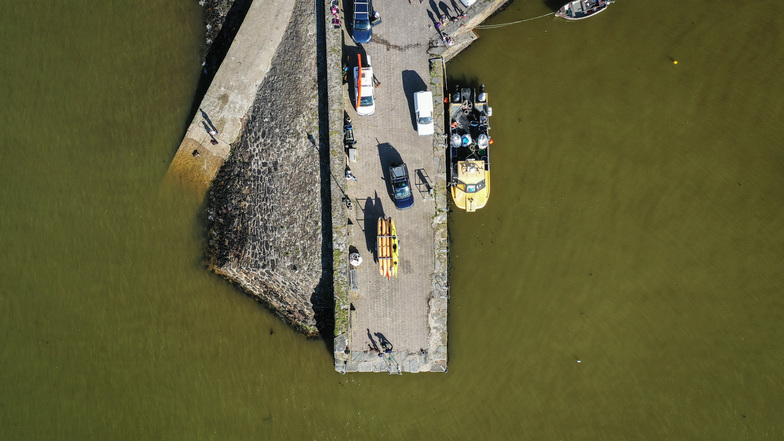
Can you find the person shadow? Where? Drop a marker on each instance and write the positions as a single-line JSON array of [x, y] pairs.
[[444, 9], [386, 345]]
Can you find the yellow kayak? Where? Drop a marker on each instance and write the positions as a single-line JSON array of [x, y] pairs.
[[395, 248], [387, 248], [381, 246]]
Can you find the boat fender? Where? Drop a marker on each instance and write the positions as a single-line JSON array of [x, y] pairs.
[[455, 140], [482, 141]]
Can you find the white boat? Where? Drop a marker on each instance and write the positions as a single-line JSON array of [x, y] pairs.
[[580, 9]]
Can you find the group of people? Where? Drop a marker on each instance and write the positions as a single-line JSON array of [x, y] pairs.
[[443, 20]]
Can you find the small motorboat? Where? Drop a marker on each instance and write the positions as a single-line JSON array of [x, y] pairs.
[[580, 9]]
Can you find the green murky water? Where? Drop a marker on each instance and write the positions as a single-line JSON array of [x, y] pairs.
[[634, 225]]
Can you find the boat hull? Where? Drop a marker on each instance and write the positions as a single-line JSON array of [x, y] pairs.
[[581, 9]]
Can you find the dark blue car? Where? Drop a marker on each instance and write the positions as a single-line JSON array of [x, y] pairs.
[[401, 186], [361, 28]]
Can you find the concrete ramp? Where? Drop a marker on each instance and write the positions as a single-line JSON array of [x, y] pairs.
[[231, 95]]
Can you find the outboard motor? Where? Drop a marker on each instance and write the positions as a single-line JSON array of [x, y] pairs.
[[482, 95]]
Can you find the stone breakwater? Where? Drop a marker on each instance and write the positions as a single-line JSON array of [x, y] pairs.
[[276, 223], [264, 207]]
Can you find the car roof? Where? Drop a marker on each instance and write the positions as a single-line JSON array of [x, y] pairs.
[[397, 171], [424, 101], [367, 81]]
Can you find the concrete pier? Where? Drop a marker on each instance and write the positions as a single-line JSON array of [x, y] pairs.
[[271, 129], [230, 95], [397, 325], [407, 314]]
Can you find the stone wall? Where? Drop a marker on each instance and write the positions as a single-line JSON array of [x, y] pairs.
[[439, 291], [264, 209]]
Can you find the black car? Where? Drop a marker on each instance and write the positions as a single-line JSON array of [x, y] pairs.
[[401, 186]]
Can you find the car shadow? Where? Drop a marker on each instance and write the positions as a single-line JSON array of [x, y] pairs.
[[412, 83], [388, 155], [373, 211]]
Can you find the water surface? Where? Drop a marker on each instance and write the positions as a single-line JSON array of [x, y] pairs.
[[634, 225]]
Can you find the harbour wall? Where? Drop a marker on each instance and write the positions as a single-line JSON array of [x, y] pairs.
[[221, 114], [275, 216], [264, 208]]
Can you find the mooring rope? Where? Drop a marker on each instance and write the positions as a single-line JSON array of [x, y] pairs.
[[501, 25]]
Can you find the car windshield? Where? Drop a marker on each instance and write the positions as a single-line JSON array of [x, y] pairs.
[[425, 119], [366, 101], [362, 25], [402, 190], [470, 188]]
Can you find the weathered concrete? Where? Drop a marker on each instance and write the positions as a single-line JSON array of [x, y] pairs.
[[231, 94]]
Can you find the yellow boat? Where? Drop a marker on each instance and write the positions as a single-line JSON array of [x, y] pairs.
[[469, 148], [471, 188], [395, 248]]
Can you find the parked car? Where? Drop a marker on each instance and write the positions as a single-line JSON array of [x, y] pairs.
[[361, 28], [423, 108], [401, 186], [364, 91]]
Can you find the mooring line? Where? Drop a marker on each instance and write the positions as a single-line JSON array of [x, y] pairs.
[[501, 25]]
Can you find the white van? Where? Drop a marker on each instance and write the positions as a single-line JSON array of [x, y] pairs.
[[423, 107], [364, 89]]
